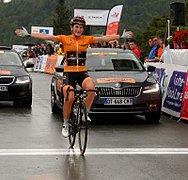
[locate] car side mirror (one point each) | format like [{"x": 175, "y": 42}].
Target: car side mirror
[
  {"x": 59, "y": 68},
  {"x": 151, "y": 68}
]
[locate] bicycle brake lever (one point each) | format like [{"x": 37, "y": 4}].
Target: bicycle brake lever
[{"x": 97, "y": 94}]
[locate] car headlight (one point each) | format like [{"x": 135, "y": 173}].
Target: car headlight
[
  {"x": 151, "y": 89},
  {"x": 22, "y": 80}
]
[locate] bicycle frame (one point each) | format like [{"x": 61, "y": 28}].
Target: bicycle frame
[{"x": 78, "y": 120}]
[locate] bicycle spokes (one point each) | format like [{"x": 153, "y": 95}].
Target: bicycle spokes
[
  {"x": 83, "y": 131},
  {"x": 72, "y": 136}
]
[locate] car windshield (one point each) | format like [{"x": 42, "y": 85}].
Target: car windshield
[
  {"x": 113, "y": 61},
  {"x": 9, "y": 59}
]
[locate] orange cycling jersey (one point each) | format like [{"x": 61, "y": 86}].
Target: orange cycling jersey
[{"x": 73, "y": 47}]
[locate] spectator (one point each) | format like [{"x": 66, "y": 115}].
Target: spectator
[
  {"x": 92, "y": 46},
  {"x": 58, "y": 50},
  {"x": 125, "y": 45},
  {"x": 134, "y": 48},
  {"x": 43, "y": 47},
  {"x": 24, "y": 54},
  {"x": 38, "y": 50},
  {"x": 158, "y": 51},
  {"x": 98, "y": 45},
  {"x": 106, "y": 45},
  {"x": 170, "y": 42},
  {"x": 114, "y": 44},
  {"x": 62, "y": 48},
  {"x": 152, "y": 50},
  {"x": 162, "y": 44},
  {"x": 49, "y": 49},
  {"x": 31, "y": 53}
]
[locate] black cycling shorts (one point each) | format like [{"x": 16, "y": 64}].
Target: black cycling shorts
[{"x": 72, "y": 78}]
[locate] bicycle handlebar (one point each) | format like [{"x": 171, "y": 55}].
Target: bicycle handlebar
[{"x": 81, "y": 91}]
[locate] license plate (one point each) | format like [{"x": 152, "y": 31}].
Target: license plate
[
  {"x": 118, "y": 101},
  {"x": 3, "y": 88}
]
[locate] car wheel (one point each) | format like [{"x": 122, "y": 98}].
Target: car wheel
[
  {"x": 55, "y": 109},
  {"x": 153, "y": 117}
]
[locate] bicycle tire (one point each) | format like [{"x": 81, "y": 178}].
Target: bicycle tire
[
  {"x": 82, "y": 130},
  {"x": 73, "y": 128}
]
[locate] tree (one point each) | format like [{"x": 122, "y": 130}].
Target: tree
[{"x": 61, "y": 18}]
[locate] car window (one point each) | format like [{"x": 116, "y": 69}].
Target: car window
[
  {"x": 126, "y": 65},
  {"x": 9, "y": 59},
  {"x": 100, "y": 61},
  {"x": 113, "y": 61}
]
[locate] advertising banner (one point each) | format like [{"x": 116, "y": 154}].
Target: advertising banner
[
  {"x": 161, "y": 75},
  {"x": 50, "y": 64},
  {"x": 158, "y": 73},
  {"x": 113, "y": 20},
  {"x": 43, "y": 63},
  {"x": 184, "y": 109},
  {"x": 173, "y": 99},
  {"x": 93, "y": 17},
  {"x": 19, "y": 48},
  {"x": 40, "y": 63},
  {"x": 45, "y": 30}
]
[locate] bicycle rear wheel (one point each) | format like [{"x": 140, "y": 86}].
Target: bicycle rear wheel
[
  {"x": 82, "y": 130},
  {"x": 73, "y": 128}
]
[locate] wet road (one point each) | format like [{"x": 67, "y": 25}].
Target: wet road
[{"x": 119, "y": 147}]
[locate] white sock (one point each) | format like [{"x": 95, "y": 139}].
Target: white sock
[{"x": 66, "y": 122}]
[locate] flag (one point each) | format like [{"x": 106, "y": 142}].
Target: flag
[
  {"x": 113, "y": 20},
  {"x": 184, "y": 109}
]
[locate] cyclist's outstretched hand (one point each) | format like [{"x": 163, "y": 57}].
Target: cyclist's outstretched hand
[
  {"x": 22, "y": 32},
  {"x": 127, "y": 34}
]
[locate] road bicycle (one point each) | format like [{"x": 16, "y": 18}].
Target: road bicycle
[{"x": 78, "y": 119}]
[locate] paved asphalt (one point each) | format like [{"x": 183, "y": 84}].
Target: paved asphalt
[{"x": 120, "y": 147}]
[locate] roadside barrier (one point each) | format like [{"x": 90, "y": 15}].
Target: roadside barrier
[
  {"x": 172, "y": 75},
  {"x": 45, "y": 63}
]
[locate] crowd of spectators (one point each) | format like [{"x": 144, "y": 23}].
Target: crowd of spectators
[
  {"x": 38, "y": 50},
  {"x": 155, "y": 43},
  {"x": 157, "y": 46},
  {"x": 127, "y": 44}
]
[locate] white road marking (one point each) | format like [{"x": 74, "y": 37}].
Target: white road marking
[{"x": 92, "y": 151}]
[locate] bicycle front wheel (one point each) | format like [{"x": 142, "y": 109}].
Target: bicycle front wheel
[
  {"x": 73, "y": 128},
  {"x": 82, "y": 130},
  {"x": 72, "y": 136}
]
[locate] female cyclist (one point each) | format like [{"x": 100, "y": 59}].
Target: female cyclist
[{"x": 75, "y": 46}]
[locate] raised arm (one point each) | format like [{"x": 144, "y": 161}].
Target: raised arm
[
  {"x": 24, "y": 33},
  {"x": 107, "y": 38},
  {"x": 43, "y": 36}
]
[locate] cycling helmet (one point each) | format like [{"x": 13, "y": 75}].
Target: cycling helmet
[{"x": 78, "y": 20}]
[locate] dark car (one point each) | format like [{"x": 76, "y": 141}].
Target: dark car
[
  {"x": 15, "y": 81},
  {"x": 124, "y": 85}
]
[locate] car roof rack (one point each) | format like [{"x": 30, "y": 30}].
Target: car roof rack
[{"x": 5, "y": 48}]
